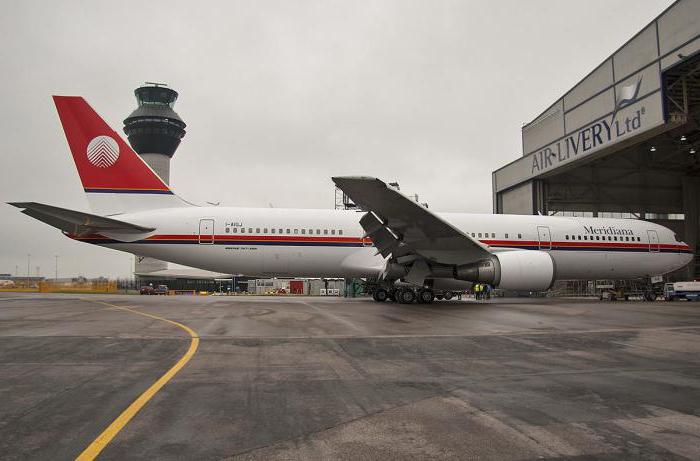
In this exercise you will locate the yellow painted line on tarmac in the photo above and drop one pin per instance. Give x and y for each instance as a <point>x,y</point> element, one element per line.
<point>123,419</point>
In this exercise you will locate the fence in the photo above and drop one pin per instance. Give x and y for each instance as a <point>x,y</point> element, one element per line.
<point>46,286</point>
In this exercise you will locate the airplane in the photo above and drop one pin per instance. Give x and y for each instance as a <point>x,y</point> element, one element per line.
<point>411,251</point>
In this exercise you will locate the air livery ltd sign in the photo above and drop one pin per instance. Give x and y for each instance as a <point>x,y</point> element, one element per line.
<point>627,119</point>
<point>585,141</point>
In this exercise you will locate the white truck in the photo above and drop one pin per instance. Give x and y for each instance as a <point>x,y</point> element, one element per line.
<point>682,290</point>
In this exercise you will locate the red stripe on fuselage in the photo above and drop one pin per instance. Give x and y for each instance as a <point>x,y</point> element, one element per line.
<point>335,239</point>
<point>576,244</point>
<point>248,237</point>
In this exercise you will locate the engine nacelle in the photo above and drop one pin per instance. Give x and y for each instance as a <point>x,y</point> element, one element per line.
<point>524,270</point>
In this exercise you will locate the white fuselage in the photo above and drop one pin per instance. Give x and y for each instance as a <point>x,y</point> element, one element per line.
<point>330,243</point>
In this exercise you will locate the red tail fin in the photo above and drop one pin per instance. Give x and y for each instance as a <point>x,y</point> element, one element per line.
<point>106,164</point>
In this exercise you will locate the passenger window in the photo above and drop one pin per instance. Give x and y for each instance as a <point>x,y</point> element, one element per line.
<point>273,230</point>
<point>615,238</point>
<point>242,230</point>
<point>265,231</point>
<point>585,237</point>
<point>228,230</point>
<point>473,234</point>
<point>235,229</point>
<point>340,232</point>
<point>311,231</point>
<point>566,237</point>
<point>303,231</point>
<point>507,236</point>
<point>479,234</point>
<point>579,237</point>
<point>597,237</point>
<point>639,239</point>
<point>318,231</point>
<point>296,231</point>
<point>257,230</point>
<point>520,236</point>
<point>332,231</point>
<point>325,231</point>
<point>288,231</point>
<point>280,231</point>
<point>493,235</point>
<point>250,230</point>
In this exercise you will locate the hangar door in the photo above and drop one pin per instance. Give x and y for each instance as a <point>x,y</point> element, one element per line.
<point>206,231</point>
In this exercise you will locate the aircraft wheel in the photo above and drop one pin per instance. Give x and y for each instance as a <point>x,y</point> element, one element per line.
<point>406,296</point>
<point>426,296</point>
<point>380,295</point>
<point>392,294</point>
<point>448,295</point>
<point>439,297</point>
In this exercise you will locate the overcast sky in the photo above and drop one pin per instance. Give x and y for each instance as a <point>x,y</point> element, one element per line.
<point>279,96</point>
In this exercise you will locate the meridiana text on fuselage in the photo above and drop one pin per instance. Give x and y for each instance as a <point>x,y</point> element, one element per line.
<point>607,230</point>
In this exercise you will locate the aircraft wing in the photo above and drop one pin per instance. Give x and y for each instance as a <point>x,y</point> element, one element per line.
<point>79,223</point>
<point>406,230</point>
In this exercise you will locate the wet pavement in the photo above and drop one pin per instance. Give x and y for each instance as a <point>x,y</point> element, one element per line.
<point>330,378</point>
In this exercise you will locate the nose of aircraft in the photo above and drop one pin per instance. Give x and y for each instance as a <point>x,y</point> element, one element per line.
<point>686,258</point>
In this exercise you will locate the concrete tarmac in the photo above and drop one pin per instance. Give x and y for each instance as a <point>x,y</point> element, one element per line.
<point>327,378</point>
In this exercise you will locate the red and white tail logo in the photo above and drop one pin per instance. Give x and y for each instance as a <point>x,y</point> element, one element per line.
<point>103,151</point>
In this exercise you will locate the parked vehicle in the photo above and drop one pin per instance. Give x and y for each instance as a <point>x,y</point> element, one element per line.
<point>146,290</point>
<point>161,290</point>
<point>682,290</point>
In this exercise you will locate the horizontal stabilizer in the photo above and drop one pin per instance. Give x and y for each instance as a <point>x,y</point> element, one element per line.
<point>79,223</point>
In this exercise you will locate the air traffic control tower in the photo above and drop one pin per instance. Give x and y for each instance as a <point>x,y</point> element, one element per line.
<point>154,130</point>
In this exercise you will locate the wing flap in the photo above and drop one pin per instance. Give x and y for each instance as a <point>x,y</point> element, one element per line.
<point>403,227</point>
<point>382,238</point>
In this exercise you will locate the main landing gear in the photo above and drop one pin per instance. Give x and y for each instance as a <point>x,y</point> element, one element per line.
<point>405,295</point>
<point>380,295</point>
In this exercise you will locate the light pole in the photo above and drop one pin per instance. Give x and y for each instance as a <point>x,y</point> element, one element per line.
<point>29,258</point>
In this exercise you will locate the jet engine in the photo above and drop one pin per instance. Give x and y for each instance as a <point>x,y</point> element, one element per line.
<point>526,270</point>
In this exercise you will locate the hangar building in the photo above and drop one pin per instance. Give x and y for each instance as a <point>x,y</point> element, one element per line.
<point>624,141</point>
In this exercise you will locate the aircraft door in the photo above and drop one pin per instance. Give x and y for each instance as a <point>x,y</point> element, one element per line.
<point>653,241</point>
<point>206,231</point>
<point>544,236</point>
